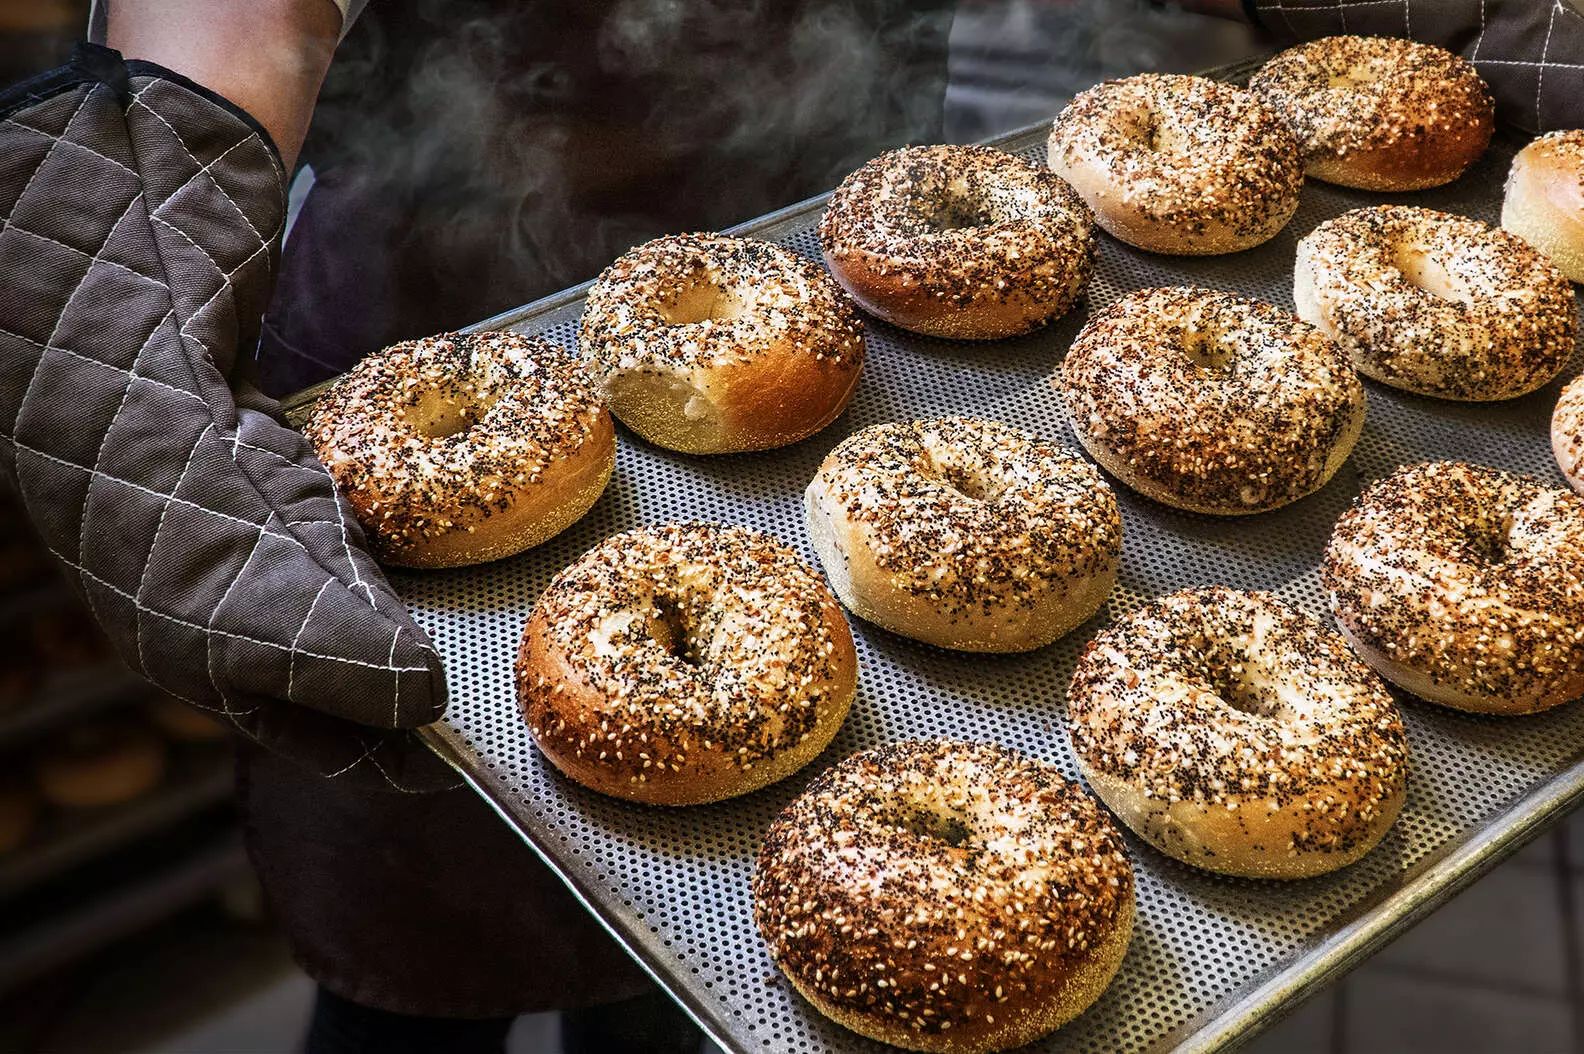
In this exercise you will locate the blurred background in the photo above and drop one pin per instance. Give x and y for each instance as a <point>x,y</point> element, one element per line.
<point>128,917</point>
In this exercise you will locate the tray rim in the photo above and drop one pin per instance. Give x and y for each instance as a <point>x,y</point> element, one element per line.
<point>1238,1017</point>
<point>1241,1015</point>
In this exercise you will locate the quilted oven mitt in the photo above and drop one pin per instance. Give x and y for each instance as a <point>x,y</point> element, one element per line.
<point>142,219</point>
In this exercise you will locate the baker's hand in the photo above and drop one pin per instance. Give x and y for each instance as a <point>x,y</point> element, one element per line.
<point>142,223</point>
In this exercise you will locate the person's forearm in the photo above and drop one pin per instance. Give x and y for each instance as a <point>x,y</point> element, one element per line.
<point>266,56</point>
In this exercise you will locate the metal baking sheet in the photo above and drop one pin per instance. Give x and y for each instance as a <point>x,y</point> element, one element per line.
<point>1213,959</point>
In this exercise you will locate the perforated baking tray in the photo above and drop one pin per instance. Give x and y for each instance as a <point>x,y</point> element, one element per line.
<point>1213,959</point>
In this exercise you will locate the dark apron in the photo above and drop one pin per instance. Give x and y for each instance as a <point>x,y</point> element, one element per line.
<point>420,904</point>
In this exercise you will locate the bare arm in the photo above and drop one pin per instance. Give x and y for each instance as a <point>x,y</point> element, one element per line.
<point>267,56</point>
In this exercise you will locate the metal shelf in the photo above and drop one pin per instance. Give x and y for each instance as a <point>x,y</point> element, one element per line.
<point>57,940</point>
<point>28,599</point>
<point>71,837</point>
<point>67,696</point>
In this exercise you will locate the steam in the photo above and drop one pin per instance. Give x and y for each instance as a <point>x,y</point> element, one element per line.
<point>534,142</point>
<point>527,144</point>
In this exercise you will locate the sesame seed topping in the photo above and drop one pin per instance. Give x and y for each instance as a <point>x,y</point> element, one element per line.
<point>1348,95</point>
<point>433,437</point>
<point>1469,576</point>
<point>904,857</point>
<point>1205,160</point>
<point>1225,404</point>
<point>973,515</point>
<point>1439,304</point>
<point>962,229</point>
<point>703,301</point>
<point>1231,699</point>
<point>690,647</point>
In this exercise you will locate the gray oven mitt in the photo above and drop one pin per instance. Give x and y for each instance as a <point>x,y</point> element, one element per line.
<point>142,224</point>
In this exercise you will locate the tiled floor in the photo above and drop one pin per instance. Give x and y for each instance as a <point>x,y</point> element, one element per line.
<point>1497,970</point>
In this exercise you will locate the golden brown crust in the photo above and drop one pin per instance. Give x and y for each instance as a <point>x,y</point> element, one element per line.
<point>464,447</point>
<point>1210,402</point>
<point>709,345</point>
<point>1177,164</point>
<point>884,289</point>
<point>1567,433</point>
<point>779,399</point>
<point>1435,303</point>
<point>962,242</point>
<point>964,533</point>
<point>1015,1022</point>
<point>945,896</point>
<point>1464,585</point>
<point>1238,735</point>
<point>1380,113</point>
<point>1544,199</point>
<point>685,663</point>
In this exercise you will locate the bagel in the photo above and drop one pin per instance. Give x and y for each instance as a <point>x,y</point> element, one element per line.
<point>1543,202</point>
<point>1380,113</point>
<point>685,663</point>
<point>964,533</point>
<point>1209,402</point>
<point>1238,735</point>
<point>1465,586</point>
<point>464,447</point>
<point>1436,304</point>
<point>1175,164</point>
<point>1567,433</point>
<point>964,242</point>
<point>712,345</point>
<point>945,896</point>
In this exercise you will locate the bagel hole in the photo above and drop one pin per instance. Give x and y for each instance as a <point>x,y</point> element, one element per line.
<point>1427,274</point>
<point>1489,542</point>
<point>936,826</point>
<point>1355,77</point>
<point>673,630</point>
<point>973,484</point>
<point>702,301</point>
<point>1144,131</point>
<point>1234,687</point>
<point>970,485</point>
<point>959,214</point>
<point>1206,350</point>
<point>438,417</point>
